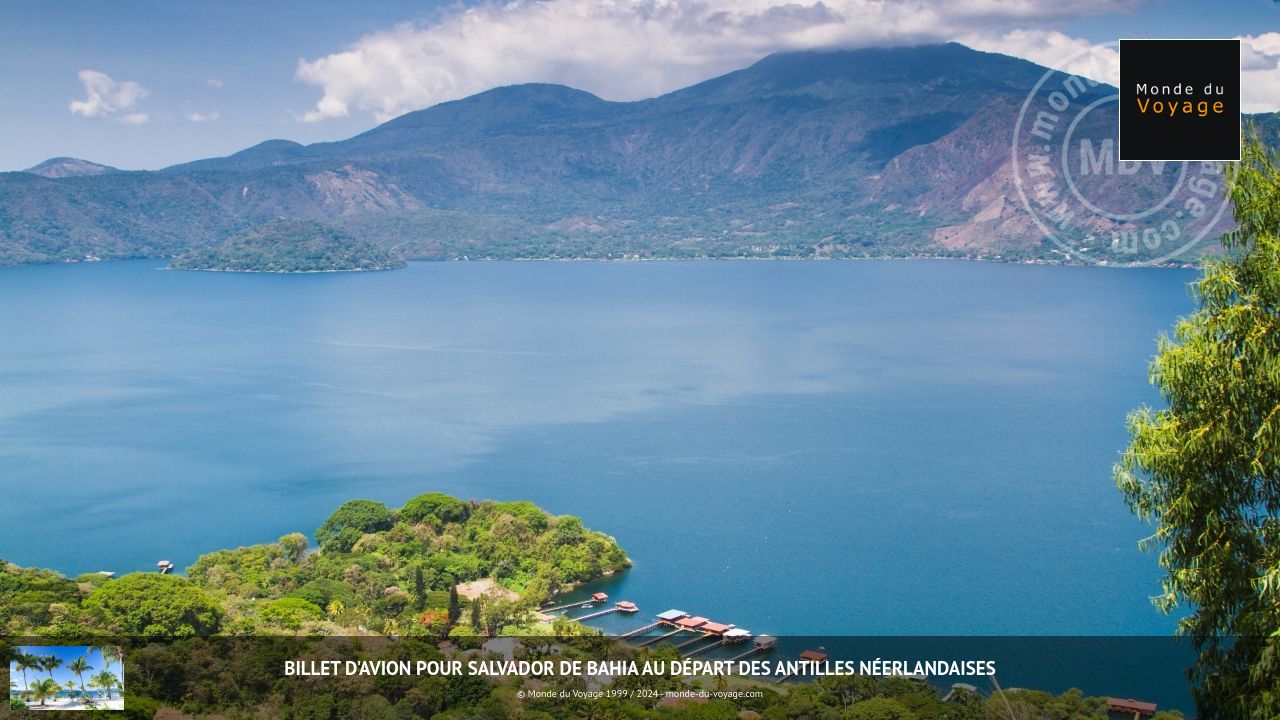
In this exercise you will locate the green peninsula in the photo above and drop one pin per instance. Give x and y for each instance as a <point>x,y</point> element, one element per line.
<point>388,584</point>
<point>377,570</point>
<point>289,246</point>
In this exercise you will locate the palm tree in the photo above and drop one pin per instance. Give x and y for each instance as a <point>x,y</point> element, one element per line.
<point>80,666</point>
<point>336,607</point>
<point>110,654</point>
<point>49,663</point>
<point>44,689</point>
<point>104,680</point>
<point>114,654</point>
<point>25,662</point>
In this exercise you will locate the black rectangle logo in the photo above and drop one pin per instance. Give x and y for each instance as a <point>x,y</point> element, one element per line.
<point>1180,100</point>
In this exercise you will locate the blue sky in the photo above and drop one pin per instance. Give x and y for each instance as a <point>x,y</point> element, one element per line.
<point>157,83</point>
<point>61,675</point>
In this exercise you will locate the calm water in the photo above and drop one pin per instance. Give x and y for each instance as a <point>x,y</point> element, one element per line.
<point>861,448</point>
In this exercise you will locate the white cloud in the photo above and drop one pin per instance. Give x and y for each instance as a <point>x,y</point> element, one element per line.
<point>199,117</point>
<point>629,49</point>
<point>1259,61</point>
<point>1260,72</point>
<point>214,83</point>
<point>1053,49</point>
<point>105,97</point>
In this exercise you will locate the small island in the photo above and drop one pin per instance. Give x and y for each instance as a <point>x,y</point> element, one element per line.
<point>290,246</point>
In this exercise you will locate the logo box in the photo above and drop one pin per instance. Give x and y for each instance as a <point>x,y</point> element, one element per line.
<point>1180,100</point>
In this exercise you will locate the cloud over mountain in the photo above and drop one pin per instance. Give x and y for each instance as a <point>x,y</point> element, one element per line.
<point>1260,72</point>
<point>630,49</point>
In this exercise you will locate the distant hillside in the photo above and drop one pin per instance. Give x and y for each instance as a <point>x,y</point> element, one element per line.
<point>861,153</point>
<point>62,167</point>
<point>286,246</point>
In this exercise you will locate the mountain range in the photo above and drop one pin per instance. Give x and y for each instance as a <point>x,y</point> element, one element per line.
<point>857,153</point>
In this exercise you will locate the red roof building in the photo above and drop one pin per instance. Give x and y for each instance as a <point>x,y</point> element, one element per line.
<point>625,606</point>
<point>715,628</point>
<point>691,623</point>
<point>814,655</point>
<point>1136,708</point>
<point>599,597</point>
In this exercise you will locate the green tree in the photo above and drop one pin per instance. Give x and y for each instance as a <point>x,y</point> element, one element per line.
<point>154,605</point>
<point>294,546</point>
<point>848,689</point>
<point>49,663</point>
<point>335,608</point>
<point>322,591</point>
<point>1206,468</point>
<point>80,666</point>
<point>111,654</point>
<point>455,603</point>
<point>498,613</point>
<point>44,689</point>
<point>24,662</point>
<point>290,612</point>
<point>439,506</point>
<point>350,521</point>
<point>419,589</point>
<point>104,680</point>
<point>475,613</point>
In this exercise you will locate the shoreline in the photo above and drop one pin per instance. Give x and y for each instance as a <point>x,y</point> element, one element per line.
<point>263,272</point>
<point>621,260</point>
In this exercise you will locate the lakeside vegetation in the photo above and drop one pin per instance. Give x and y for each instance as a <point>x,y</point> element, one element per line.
<point>386,583</point>
<point>1204,468</point>
<point>289,246</point>
<point>377,570</point>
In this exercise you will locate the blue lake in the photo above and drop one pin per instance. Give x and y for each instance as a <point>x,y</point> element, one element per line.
<point>794,447</point>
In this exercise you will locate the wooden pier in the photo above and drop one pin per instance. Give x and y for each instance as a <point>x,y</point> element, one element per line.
<point>748,653</point>
<point>698,639</point>
<point>706,648</point>
<point>597,614</point>
<point>653,640</point>
<point>638,631</point>
<point>622,606</point>
<point>566,606</point>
